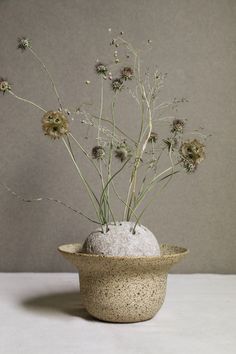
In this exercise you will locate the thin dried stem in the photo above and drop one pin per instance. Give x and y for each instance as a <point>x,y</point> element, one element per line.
<point>149,187</point>
<point>99,143</point>
<point>101,110</point>
<point>130,194</point>
<point>116,127</point>
<point>86,154</point>
<point>111,149</point>
<point>103,211</point>
<point>112,177</point>
<point>152,199</point>
<point>120,198</point>
<point>143,148</point>
<point>91,194</point>
<point>27,101</point>
<point>48,73</point>
<point>28,200</point>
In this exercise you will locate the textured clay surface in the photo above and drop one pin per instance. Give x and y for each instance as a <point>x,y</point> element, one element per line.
<point>123,289</point>
<point>119,240</point>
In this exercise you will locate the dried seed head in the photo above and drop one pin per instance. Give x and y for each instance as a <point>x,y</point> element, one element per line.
<point>192,153</point>
<point>4,85</point>
<point>127,73</point>
<point>98,152</point>
<point>117,84</point>
<point>177,126</point>
<point>122,152</point>
<point>101,69</point>
<point>23,43</point>
<point>153,137</point>
<point>55,124</point>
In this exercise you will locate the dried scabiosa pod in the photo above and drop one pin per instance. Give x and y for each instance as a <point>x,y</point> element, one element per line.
<point>117,84</point>
<point>101,69</point>
<point>23,43</point>
<point>122,152</point>
<point>4,85</point>
<point>98,152</point>
<point>177,126</point>
<point>55,124</point>
<point>192,153</point>
<point>127,73</point>
<point>153,137</point>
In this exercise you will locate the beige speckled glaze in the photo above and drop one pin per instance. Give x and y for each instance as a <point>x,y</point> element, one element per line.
<point>123,289</point>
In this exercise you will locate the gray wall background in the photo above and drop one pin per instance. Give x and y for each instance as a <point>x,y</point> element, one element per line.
<point>194,41</point>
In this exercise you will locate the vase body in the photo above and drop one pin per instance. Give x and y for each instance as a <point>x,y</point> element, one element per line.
<point>123,289</point>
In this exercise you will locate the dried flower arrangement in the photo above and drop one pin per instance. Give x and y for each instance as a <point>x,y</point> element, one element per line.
<point>137,154</point>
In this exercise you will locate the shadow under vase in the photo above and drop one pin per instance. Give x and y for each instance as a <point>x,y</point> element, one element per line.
<point>68,303</point>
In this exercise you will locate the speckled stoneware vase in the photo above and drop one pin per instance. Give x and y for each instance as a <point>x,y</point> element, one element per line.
<point>123,289</point>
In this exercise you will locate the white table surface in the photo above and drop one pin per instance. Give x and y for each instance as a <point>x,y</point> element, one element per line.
<point>41,313</point>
